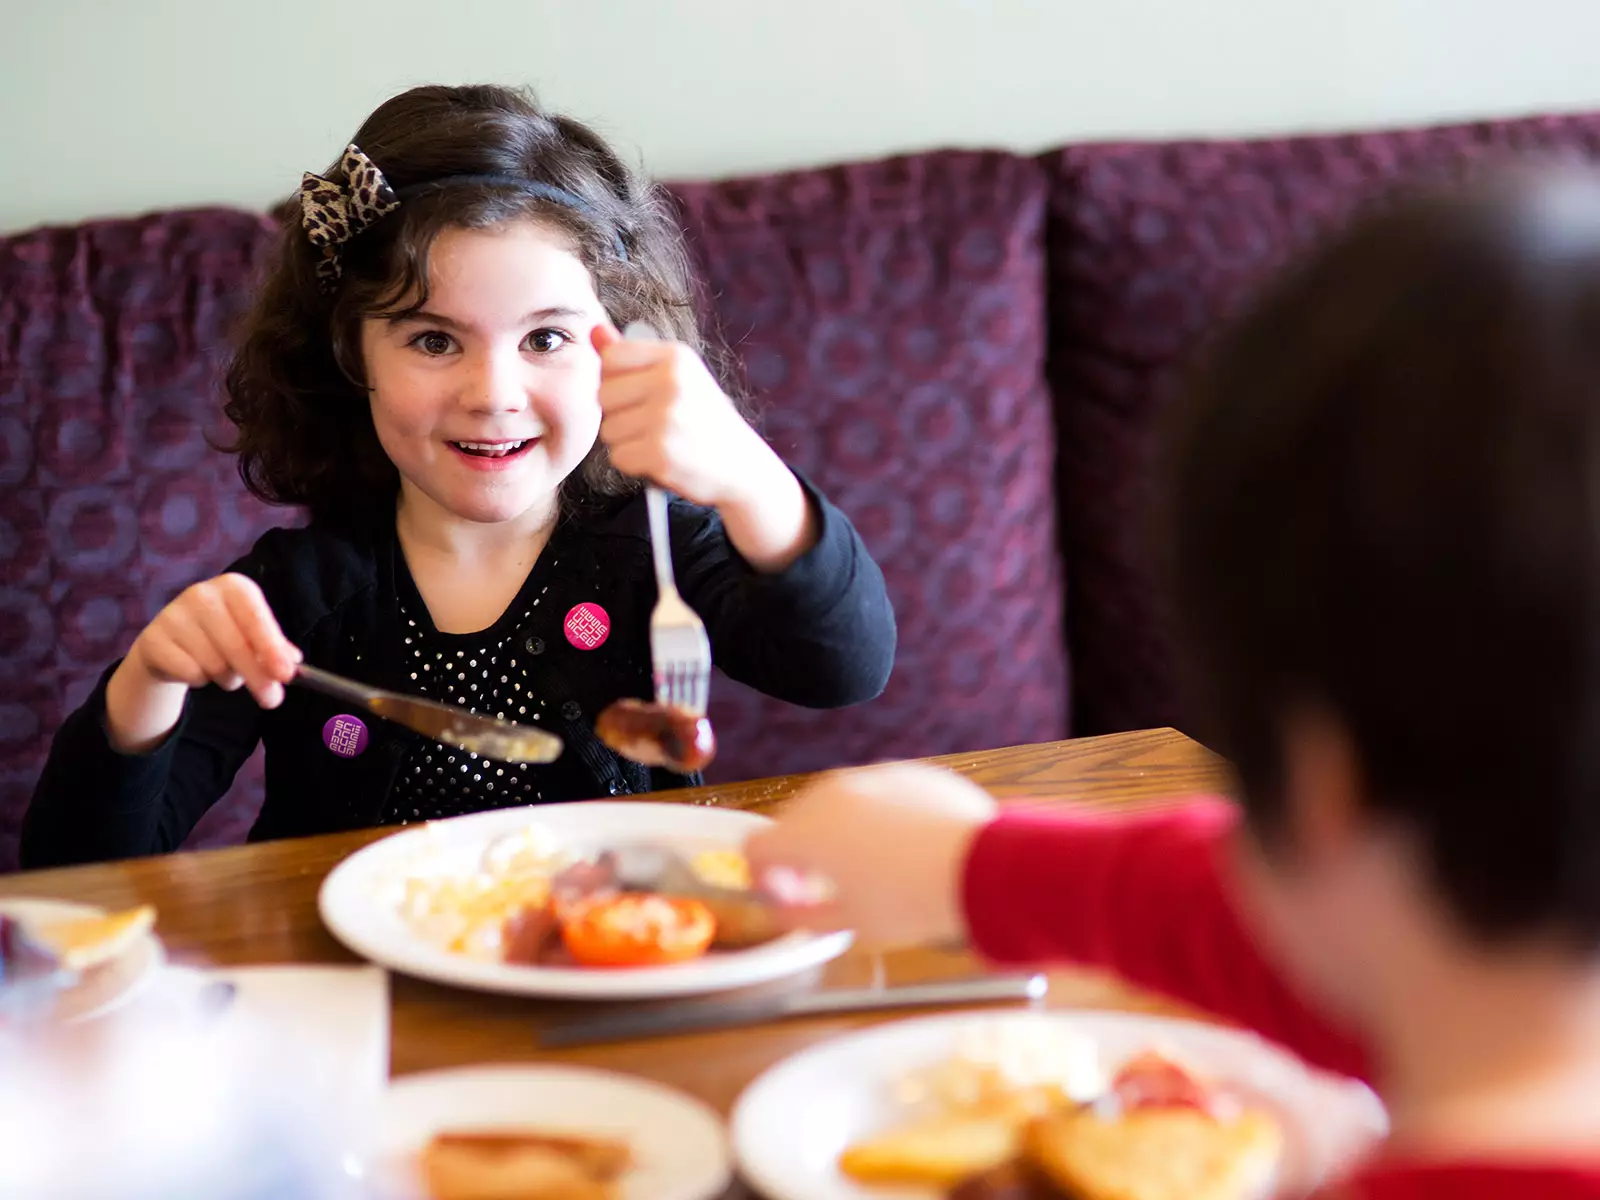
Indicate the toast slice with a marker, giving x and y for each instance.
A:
(938, 1152)
(602, 1157)
(1174, 1153)
(513, 1165)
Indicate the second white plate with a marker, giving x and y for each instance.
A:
(680, 1149)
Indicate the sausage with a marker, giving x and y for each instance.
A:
(658, 735)
(528, 935)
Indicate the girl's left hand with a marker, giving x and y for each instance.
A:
(663, 418)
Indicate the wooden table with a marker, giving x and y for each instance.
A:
(257, 904)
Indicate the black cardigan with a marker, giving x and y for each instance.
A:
(820, 633)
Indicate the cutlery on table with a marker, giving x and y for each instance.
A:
(728, 1014)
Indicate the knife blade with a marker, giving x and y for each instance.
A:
(730, 1014)
(450, 724)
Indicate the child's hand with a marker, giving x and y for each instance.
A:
(217, 631)
(893, 840)
(664, 419)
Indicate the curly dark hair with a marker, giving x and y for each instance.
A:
(296, 386)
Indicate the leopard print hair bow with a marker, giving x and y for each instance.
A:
(334, 210)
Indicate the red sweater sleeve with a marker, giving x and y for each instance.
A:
(1143, 895)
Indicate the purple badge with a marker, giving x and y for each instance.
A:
(345, 735)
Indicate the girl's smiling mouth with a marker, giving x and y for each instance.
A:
(490, 455)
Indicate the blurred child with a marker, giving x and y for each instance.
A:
(1384, 534)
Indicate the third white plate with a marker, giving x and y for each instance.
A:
(792, 1123)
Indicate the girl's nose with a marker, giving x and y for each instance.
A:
(496, 384)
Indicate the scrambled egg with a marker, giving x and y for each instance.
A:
(466, 914)
(998, 1058)
(534, 849)
(722, 868)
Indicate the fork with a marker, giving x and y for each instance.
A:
(680, 652)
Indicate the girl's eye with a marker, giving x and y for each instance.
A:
(434, 343)
(546, 341)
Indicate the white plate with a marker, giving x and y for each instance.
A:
(845, 1089)
(107, 986)
(680, 1148)
(357, 906)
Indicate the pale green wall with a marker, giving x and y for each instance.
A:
(112, 106)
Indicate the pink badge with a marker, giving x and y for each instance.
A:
(587, 626)
(345, 735)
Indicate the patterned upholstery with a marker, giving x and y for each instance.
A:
(1150, 246)
(111, 501)
(900, 320)
(890, 315)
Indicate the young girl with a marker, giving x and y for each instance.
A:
(1385, 529)
(432, 369)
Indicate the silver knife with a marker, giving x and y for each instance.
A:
(729, 1014)
(491, 737)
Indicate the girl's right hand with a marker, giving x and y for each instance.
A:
(219, 631)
